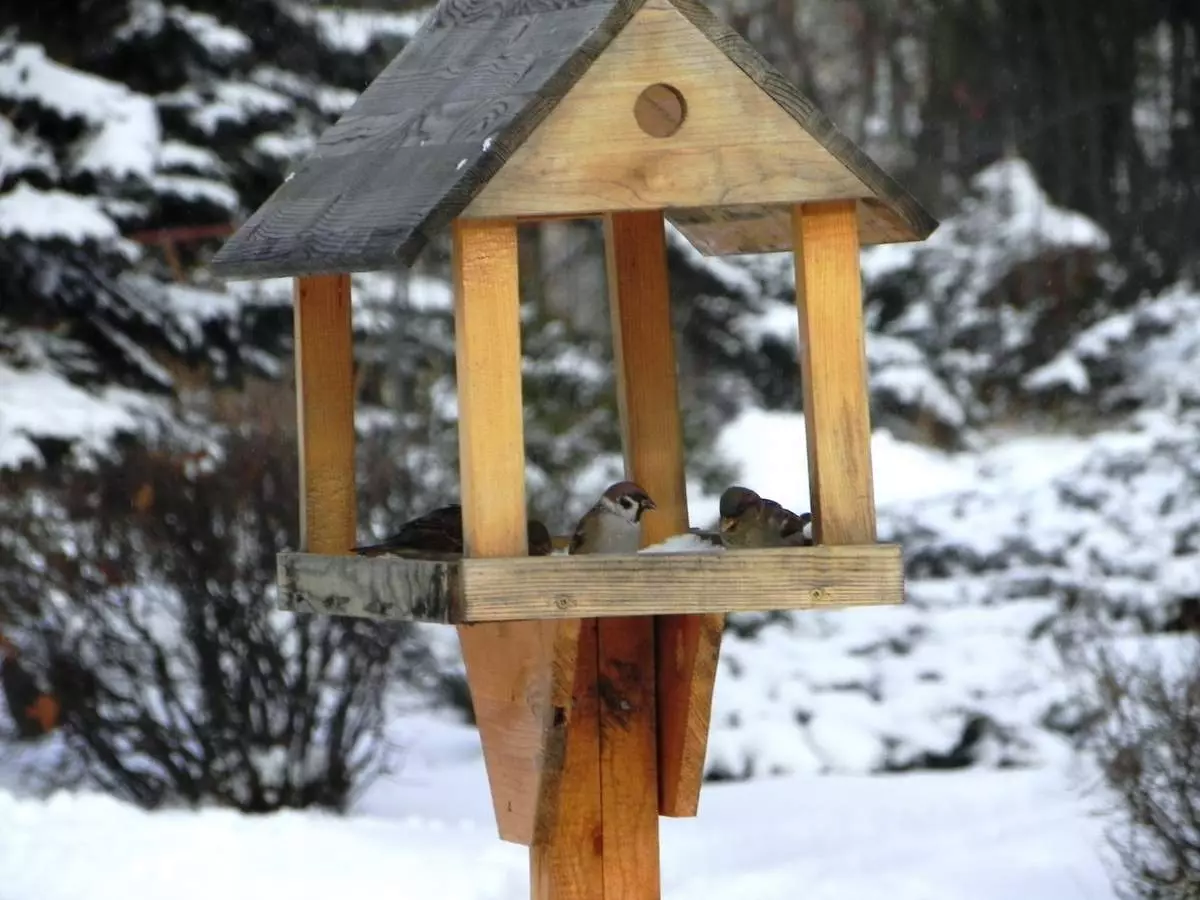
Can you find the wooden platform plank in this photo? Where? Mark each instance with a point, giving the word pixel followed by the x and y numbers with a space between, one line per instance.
pixel 648 396
pixel 567 587
pixel 324 353
pixel 834 373
pixel 521 674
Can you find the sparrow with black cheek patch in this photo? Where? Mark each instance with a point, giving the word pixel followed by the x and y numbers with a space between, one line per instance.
pixel 614 524
pixel 441 531
pixel 749 521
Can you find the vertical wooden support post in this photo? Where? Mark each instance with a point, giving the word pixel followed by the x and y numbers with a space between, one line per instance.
pixel 639 302
pixel 834 372
pixel 534 713
pixel 686 646
pixel 324 352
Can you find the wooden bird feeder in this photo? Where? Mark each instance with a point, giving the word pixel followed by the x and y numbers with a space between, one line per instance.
pixel 591 677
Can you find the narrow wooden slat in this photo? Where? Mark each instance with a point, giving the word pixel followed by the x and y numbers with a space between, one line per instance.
pixel 324 349
pixel 684 584
pixel 644 358
pixel 834 373
pixel 569 587
pixel 569 863
pixel 644 350
pixel 521 674
pixel 628 758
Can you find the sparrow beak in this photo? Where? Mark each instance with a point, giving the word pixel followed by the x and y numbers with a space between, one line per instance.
pixel 648 504
pixel 727 523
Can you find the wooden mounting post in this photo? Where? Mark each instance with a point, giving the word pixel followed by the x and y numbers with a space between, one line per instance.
pixel 686 646
pixel 533 711
pixel 324 353
pixel 834 372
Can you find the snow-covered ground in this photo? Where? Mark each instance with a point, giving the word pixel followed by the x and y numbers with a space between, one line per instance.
pixel 427 831
pixel 817 699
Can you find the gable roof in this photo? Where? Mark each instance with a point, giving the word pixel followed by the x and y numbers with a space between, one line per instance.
pixel 440 121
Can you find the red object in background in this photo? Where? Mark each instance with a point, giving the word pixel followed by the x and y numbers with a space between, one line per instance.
pixel 34 711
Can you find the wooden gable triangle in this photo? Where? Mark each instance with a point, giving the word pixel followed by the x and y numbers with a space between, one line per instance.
pixel 737 147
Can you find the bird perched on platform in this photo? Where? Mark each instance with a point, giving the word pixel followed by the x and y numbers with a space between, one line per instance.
pixel 614 524
pixel 441 531
pixel 750 521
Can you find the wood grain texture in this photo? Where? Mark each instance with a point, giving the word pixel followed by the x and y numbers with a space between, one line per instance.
pixel 625 685
pixel 648 399
pixel 474 83
pixel 572 587
pixel 834 374
pixel 325 412
pixel 521 674
pixel 736 144
pixel 569 863
pixel 652 436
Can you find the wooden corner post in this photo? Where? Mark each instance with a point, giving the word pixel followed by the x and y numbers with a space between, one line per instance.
pixel 687 646
pixel 833 367
pixel 533 709
pixel 324 358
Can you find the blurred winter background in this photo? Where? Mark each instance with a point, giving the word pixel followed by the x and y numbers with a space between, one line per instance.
pixel 1026 725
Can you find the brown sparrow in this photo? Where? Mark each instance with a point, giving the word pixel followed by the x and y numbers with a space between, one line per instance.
pixel 748 521
pixel 614 524
pixel 441 531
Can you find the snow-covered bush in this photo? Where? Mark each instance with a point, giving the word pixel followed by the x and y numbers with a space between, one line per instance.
pixel 961 321
pixel 156 629
pixel 1142 706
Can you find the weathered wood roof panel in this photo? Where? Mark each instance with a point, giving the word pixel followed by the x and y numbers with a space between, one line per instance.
pixel 424 136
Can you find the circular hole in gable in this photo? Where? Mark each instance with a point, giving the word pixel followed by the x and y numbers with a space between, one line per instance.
pixel 660 110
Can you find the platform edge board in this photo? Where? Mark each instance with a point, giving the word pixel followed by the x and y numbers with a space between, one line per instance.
pixel 564 587
pixel 389 589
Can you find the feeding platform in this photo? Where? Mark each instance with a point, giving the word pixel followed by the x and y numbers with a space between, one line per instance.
pixel 591 677
pixel 461 592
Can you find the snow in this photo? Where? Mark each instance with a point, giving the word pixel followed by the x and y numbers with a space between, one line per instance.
pixel 428 828
pixel 149 17
pixel 23 153
pixel 192 188
pixel 125 133
pixel 354 30
pixel 44 404
pixel 683 543
pixel 769 447
pixel 45 215
pixel 1064 370
pixel 236 102
pixel 178 155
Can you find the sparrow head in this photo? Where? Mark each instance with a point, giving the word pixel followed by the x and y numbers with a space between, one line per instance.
pixel 627 500
pixel 735 503
pixel 539 540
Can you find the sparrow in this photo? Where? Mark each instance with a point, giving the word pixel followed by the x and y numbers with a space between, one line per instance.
pixel 441 531
pixel 749 521
pixel 614 524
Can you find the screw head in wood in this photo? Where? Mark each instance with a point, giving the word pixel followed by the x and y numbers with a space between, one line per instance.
pixel 660 110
